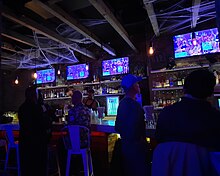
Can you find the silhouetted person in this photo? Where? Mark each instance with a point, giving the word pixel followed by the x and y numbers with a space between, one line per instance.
pixel 130 125
pixel 187 130
pixel 32 136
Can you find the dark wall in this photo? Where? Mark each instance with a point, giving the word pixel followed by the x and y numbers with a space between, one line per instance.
pixel 1 84
pixel 13 95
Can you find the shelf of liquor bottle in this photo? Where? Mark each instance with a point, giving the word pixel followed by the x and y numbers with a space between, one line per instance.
pixel 59 98
pixel 82 84
pixel 53 87
pixel 110 94
pixel 167 88
pixel 180 68
pixel 98 95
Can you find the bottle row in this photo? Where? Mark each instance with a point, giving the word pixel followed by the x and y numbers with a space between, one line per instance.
pixel 166 98
pixel 99 90
pixel 172 79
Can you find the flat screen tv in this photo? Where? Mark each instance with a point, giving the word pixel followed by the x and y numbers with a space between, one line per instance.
pixel 78 71
pixel 112 105
pixel 115 66
pixel 45 76
pixel 207 42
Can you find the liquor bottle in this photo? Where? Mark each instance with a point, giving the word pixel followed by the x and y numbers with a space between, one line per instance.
pixel 168 98
pixel 155 100
pixel 167 81
pixel 154 84
pixel 179 80
pixel 164 99
pixel 158 82
pixel 172 98
pixel 160 101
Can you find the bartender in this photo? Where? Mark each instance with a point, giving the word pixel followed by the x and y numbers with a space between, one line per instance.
pixel 89 101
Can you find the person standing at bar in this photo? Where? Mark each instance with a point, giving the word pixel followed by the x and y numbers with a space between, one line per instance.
pixel 69 92
pixel 32 136
pixel 188 130
pixel 90 101
pixel 130 124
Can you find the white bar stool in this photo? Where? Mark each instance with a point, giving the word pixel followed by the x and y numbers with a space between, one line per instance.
pixel 74 135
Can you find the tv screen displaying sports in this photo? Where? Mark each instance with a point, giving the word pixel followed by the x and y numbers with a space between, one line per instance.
pixel 112 105
pixel 115 66
pixel 45 76
pixel 207 42
pixel 78 71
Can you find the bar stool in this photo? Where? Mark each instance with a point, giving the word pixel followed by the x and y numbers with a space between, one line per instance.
pixel 74 135
pixel 11 144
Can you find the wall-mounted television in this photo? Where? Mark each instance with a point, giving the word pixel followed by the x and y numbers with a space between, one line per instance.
pixel 115 66
pixel 45 76
pixel 207 42
pixel 78 71
pixel 112 105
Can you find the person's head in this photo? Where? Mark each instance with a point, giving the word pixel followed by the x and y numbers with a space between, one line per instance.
pixel 31 94
pixel 77 97
pixel 130 84
pixel 90 93
pixel 69 92
pixel 200 84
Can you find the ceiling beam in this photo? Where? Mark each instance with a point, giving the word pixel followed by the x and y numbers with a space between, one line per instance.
pixel 109 16
pixel 13 50
pixel 30 42
pixel 44 31
pixel 74 24
pixel 148 5
pixel 195 12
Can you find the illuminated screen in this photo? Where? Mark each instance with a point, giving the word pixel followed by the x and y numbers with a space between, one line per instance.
pixel 79 71
pixel 219 103
pixel 207 41
pixel 45 76
pixel 115 66
pixel 112 105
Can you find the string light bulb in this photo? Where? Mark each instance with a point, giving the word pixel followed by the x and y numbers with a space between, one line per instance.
pixel 16 80
pixel 58 72
pixel 151 49
pixel 35 75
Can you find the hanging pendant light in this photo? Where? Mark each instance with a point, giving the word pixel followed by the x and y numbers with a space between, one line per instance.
pixel 16 80
pixel 151 49
pixel 35 75
pixel 35 72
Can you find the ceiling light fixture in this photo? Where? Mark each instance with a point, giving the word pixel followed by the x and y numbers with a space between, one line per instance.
pixel 58 71
pixel 16 80
pixel 35 72
pixel 151 49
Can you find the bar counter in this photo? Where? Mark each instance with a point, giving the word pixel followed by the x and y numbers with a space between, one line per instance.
pixel 105 126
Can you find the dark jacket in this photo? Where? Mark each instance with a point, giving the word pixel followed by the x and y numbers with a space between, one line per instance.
pixel 190 120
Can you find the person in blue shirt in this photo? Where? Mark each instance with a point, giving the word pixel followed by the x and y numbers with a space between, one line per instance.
pixel 130 124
